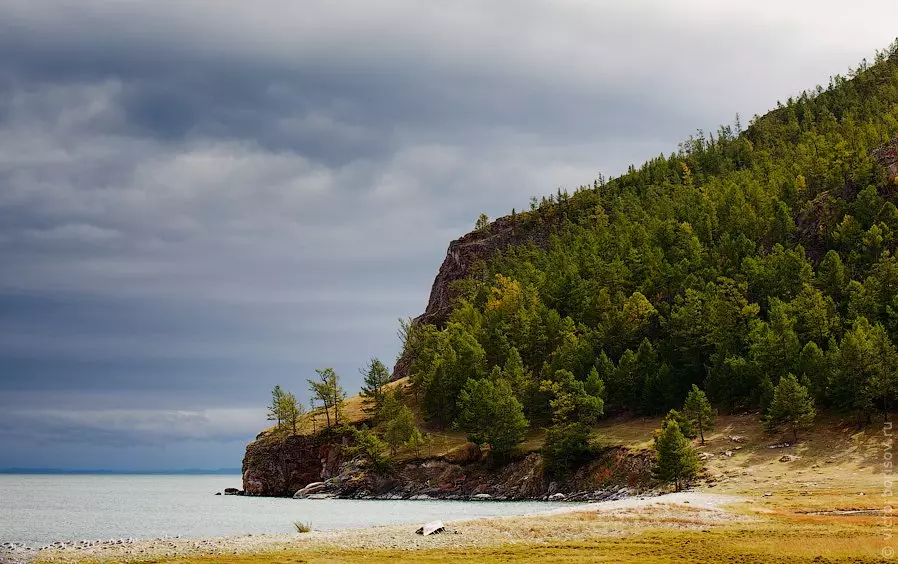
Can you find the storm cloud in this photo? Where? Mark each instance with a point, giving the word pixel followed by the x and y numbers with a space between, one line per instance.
pixel 199 200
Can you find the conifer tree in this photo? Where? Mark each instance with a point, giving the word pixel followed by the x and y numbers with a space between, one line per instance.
pixel 275 412
pixel 292 412
pixel 677 461
pixel 792 406
pixel 376 376
pixel 327 389
pixel 489 413
pixel 698 409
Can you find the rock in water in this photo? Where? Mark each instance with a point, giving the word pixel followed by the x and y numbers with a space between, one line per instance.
pixel 431 528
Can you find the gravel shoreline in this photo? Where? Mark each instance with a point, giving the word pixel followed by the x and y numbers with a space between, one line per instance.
pixel 479 532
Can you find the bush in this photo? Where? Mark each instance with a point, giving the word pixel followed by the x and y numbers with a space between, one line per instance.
pixel 303 526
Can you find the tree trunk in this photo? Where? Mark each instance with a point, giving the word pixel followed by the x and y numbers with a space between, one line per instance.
pixel 701 431
pixel 794 435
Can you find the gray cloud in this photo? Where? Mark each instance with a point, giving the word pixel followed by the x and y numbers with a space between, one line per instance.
pixel 201 199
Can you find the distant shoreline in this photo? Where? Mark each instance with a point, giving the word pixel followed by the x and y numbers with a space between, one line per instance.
pixel 63 471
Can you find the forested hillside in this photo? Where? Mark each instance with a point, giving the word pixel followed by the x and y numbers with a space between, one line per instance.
pixel 745 256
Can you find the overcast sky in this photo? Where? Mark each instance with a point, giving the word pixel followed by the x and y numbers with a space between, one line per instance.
pixel 202 199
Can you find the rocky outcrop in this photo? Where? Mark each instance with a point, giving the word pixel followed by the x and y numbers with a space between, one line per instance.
pixel 305 467
pixel 279 466
pixel 466 252
pixel 887 156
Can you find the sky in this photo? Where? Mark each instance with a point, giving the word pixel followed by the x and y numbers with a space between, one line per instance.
pixel 202 199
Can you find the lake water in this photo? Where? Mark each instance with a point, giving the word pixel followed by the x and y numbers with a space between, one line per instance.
pixel 39 509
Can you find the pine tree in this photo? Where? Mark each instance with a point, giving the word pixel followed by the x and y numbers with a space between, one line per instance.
pixel 792 406
pixel 698 409
pixel 677 460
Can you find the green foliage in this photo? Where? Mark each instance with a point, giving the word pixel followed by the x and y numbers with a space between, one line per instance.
pixel 398 428
pixel 416 440
pixel 676 459
pixel 698 409
pixel 569 400
pixel 792 406
pixel 375 377
pixel 286 411
pixel 567 446
pixel 370 448
pixel 864 369
pixel 292 413
pixel 327 389
pixel 744 256
pixel 686 425
pixel 490 413
pixel 275 408
pixel 482 223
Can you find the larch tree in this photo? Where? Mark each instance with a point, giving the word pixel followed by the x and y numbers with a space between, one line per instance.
pixel 327 389
pixel 275 408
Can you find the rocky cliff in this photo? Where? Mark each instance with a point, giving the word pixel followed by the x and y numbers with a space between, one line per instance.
pixel 462 256
pixel 313 467
pixel 279 466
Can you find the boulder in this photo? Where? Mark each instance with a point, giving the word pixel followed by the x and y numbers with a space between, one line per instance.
pixel 313 488
pixel 232 491
pixel 557 497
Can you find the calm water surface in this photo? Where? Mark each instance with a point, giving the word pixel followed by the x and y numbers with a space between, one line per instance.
pixel 39 509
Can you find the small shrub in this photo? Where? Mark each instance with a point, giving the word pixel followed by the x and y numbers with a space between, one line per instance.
pixel 303 526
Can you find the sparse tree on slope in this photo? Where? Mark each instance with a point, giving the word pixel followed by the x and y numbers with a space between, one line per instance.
pixel 275 407
pixel 416 440
pixel 792 406
pixel 376 376
pixel 327 389
pixel 698 409
pixel 291 412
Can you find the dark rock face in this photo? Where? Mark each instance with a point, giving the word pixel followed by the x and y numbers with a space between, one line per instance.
pixel 461 257
pixel 281 466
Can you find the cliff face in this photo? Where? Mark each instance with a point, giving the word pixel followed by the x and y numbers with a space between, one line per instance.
pixel 280 467
pixel 462 255
pixel 308 466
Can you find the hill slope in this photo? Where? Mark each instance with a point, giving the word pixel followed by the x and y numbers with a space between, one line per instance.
pixel 743 257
